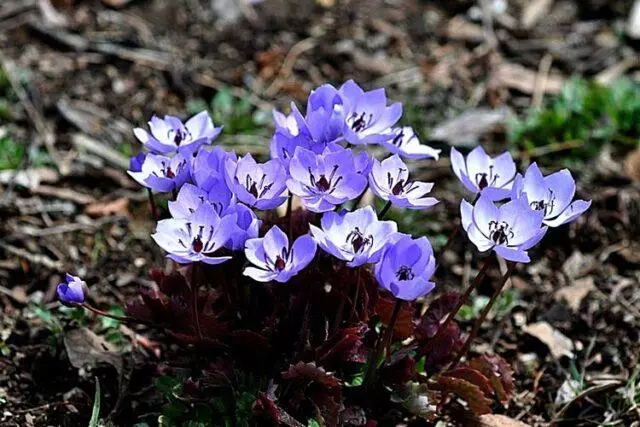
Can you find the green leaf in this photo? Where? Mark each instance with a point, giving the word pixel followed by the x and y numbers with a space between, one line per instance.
pixel 95 413
pixel 313 423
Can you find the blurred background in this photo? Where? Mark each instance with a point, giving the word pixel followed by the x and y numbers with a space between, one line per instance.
pixel 552 81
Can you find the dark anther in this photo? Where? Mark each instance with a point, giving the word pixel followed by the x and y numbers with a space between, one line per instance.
pixel 197 244
pixel 405 273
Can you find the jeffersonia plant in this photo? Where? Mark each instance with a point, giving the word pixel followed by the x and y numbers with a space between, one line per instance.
pixel 312 313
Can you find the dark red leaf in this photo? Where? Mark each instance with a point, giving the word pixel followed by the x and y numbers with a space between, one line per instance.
pixel 399 371
pixel 470 393
pixel 265 407
pixel 499 373
pixel 473 376
pixel 436 312
pixel 342 346
pixel 443 350
pixel 403 328
pixel 310 372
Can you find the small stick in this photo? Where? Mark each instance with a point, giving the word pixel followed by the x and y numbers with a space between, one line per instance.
pixel 289 216
pixel 194 298
pixel 476 326
pixel 154 207
pixel 384 210
pixel 462 301
pixel 124 319
pixel 384 340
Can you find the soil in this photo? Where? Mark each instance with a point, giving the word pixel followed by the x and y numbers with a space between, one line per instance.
pixel 88 72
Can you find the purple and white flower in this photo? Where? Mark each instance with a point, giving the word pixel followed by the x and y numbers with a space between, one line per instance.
pixel 135 163
pixel 389 180
pixel 325 180
pixel 356 237
pixel 272 258
pixel 162 174
pixel 258 185
pixel 510 230
pixel 480 173
pixel 191 197
pixel 72 291
pixel 247 226
pixel 170 135
pixel 552 195
pixel 405 142
pixel 406 267
pixel 368 119
pixel 208 167
pixel 196 238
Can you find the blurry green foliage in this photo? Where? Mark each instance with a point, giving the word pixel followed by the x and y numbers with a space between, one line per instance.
pixel 237 116
pixel 584 111
pixel 503 306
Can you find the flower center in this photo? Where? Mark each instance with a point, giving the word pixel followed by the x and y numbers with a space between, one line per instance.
pixel 359 122
pixel 257 188
pixel 323 184
pixel 280 263
pixel 500 232
pixel 398 188
pixel 405 273
pixel 543 205
pixel 484 180
pixel 169 173
pixel 197 244
pixel 358 241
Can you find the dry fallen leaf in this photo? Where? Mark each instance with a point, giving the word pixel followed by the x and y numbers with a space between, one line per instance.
pixel 115 207
pixel 514 76
pixel 495 420
pixel 534 11
pixel 575 293
pixel 468 127
pixel 632 163
pixel 84 348
pixel 559 345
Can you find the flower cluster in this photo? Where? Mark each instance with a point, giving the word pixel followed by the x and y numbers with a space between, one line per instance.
pixel 536 203
pixel 318 157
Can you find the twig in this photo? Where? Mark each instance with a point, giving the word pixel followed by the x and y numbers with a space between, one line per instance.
pixel 33 258
pixel 288 63
pixel 384 210
pixel 476 326
pixel 463 299
pixel 541 80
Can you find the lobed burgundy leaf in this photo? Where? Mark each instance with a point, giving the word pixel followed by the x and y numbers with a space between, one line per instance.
pixel 404 326
pixel 267 408
pixel 473 376
pixel 399 371
pixel 311 372
pixel 437 311
pixel 499 373
pixel 442 350
pixel 465 390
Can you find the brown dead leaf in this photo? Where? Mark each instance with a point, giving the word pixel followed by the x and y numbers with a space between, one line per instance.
pixel 559 345
pixel 84 348
pixel 462 30
pixel 534 11
pixel 575 293
pixel 514 76
pixel 495 420
pixel 118 207
pixel 470 126
pixel 632 164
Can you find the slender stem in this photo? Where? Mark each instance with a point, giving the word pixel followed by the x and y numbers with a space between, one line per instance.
pixel 154 208
pixel 382 343
pixel 384 210
pixel 476 326
pixel 354 310
pixel 125 319
pixel 289 216
pixel 462 301
pixel 194 298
